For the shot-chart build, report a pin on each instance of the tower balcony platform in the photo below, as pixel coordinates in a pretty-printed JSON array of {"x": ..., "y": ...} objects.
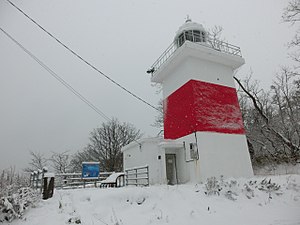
[{"x": 209, "y": 43}]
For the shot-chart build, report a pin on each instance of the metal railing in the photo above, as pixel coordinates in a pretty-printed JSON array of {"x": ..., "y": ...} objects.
[
  {"x": 75, "y": 180},
  {"x": 138, "y": 176},
  {"x": 209, "y": 42}
]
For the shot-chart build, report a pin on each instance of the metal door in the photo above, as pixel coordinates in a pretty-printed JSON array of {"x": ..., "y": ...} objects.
[{"x": 171, "y": 169}]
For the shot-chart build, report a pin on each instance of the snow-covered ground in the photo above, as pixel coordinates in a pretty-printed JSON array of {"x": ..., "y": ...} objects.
[{"x": 237, "y": 203}]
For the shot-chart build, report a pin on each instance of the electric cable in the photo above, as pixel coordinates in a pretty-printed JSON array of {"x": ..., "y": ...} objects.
[
  {"x": 57, "y": 77},
  {"x": 81, "y": 58},
  {"x": 61, "y": 80}
]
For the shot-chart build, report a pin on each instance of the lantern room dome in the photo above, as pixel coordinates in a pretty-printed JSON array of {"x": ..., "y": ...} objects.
[{"x": 190, "y": 31}]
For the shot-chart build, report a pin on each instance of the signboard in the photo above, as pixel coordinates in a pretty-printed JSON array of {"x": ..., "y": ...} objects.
[{"x": 90, "y": 170}]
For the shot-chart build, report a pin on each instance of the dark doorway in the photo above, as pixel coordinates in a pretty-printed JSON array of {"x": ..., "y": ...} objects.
[{"x": 171, "y": 169}]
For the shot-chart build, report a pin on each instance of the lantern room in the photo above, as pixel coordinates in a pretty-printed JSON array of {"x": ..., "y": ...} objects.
[{"x": 190, "y": 31}]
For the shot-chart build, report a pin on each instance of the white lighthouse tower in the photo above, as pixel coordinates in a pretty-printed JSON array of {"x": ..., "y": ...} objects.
[{"x": 204, "y": 134}]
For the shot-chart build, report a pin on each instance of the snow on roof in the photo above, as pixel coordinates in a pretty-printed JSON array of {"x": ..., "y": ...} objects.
[
  {"x": 165, "y": 143},
  {"x": 112, "y": 178},
  {"x": 189, "y": 25},
  {"x": 140, "y": 142},
  {"x": 171, "y": 144}
]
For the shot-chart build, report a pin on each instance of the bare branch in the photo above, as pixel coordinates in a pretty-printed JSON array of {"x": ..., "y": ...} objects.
[
  {"x": 266, "y": 119},
  {"x": 292, "y": 12}
]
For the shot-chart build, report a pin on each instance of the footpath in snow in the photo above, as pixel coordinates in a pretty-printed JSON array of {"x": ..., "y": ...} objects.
[{"x": 233, "y": 202}]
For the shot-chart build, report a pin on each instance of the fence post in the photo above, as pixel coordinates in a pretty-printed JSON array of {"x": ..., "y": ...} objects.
[
  {"x": 45, "y": 188},
  {"x": 34, "y": 181},
  {"x": 148, "y": 175},
  {"x": 136, "y": 176},
  {"x": 31, "y": 180},
  {"x": 51, "y": 187},
  {"x": 38, "y": 181},
  {"x": 48, "y": 188}
]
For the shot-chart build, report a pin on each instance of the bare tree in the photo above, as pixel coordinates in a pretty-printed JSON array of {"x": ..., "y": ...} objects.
[
  {"x": 61, "y": 162},
  {"x": 78, "y": 158},
  {"x": 159, "y": 119},
  {"x": 215, "y": 38},
  {"x": 291, "y": 15},
  {"x": 38, "y": 161},
  {"x": 272, "y": 118},
  {"x": 292, "y": 12},
  {"x": 105, "y": 145}
]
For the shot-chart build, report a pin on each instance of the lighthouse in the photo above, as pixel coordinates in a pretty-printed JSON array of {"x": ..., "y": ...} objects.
[{"x": 204, "y": 135}]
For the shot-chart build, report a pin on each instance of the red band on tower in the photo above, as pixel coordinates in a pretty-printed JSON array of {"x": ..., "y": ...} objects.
[{"x": 201, "y": 106}]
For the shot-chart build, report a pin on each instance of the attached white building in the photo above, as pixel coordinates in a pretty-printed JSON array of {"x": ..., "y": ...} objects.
[{"x": 204, "y": 134}]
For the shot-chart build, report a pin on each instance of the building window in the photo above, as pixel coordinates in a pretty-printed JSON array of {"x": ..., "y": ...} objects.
[
  {"x": 191, "y": 35},
  {"x": 180, "y": 40},
  {"x": 197, "y": 36}
]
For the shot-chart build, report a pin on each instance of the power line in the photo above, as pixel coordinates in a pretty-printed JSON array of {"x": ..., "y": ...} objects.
[
  {"x": 58, "y": 78},
  {"x": 61, "y": 80},
  {"x": 81, "y": 58}
]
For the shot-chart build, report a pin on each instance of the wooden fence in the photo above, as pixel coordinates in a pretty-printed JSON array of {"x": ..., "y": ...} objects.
[{"x": 36, "y": 179}]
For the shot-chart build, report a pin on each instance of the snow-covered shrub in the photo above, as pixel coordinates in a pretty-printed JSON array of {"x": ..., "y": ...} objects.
[
  {"x": 14, "y": 197},
  {"x": 212, "y": 186},
  {"x": 269, "y": 187},
  {"x": 231, "y": 189},
  {"x": 11, "y": 181},
  {"x": 292, "y": 184},
  {"x": 14, "y": 205},
  {"x": 227, "y": 188},
  {"x": 74, "y": 220},
  {"x": 248, "y": 191}
]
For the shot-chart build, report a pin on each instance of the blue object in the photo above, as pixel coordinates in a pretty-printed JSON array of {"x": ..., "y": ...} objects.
[{"x": 90, "y": 170}]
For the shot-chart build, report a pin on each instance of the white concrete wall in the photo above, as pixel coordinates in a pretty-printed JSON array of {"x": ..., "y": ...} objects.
[
  {"x": 192, "y": 166},
  {"x": 193, "y": 68},
  {"x": 219, "y": 154},
  {"x": 223, "y": 154},
  {"x": 134, "y": 156}
]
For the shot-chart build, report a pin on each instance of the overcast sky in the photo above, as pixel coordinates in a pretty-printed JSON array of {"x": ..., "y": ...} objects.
[{"x": 122, "y": 39}]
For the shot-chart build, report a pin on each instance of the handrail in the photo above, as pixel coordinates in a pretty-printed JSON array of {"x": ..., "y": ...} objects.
[
  {"x": 67, "y": 180},
  {"x": 140, "y": 176},
  {"x": 210, "y": 42}
]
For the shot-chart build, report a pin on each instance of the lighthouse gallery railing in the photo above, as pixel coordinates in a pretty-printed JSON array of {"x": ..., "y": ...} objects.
[{"x": 211, "y": 42}]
